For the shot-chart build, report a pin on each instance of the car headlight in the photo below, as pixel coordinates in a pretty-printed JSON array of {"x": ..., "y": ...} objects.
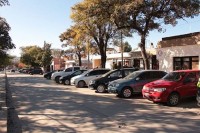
[
  {"x": 159, "y": 89},
  {"x": 116, "y": 85},
  {"x": 92, "y": 81}
]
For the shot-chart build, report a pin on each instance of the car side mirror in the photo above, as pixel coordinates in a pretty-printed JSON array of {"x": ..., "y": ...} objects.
[{"x": 108, "y": 76}]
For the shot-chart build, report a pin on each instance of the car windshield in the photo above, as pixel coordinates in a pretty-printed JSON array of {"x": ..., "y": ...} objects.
[
  {"x": 132, "y": 75},
  {"x": 174, "y": 76},
  {"x": 108, "y": 73}
]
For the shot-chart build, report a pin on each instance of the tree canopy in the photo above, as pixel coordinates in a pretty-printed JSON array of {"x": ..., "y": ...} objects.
[
  {"x": 98, "y": 28},
  {"x": 143, "y": 16},
  {"x": 4, "y": 2},
  {"x": 31, "y": 56}
]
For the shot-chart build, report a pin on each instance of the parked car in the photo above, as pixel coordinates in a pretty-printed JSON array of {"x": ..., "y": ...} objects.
[
  {"x": 48, "y": 74},
  {"x": 134, "y": 82},
  {"x": 198, "y": 97},
  {"x": 173, "y": 87},
  {"x": 36, "y": 71},
  {"x": 56, "y": 75},
  {"x": 100, "y": 84},
  {"x": 83, "y": 79},
  {"x": 66, "y": 79}
]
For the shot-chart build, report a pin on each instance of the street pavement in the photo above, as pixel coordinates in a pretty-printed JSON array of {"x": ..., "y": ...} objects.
[{"x": 46, "y": 107}]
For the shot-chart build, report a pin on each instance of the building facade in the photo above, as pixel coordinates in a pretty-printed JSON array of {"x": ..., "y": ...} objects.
[{"x": 179, "y": 52}]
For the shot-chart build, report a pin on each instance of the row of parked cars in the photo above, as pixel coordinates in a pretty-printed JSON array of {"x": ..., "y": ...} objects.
[{"x": 155, "y": 85}]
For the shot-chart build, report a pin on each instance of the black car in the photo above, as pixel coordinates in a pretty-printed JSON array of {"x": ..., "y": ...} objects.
[
  {"x": 66, "y": 79},
  {"x": 36, "y": 71},
  {"x": 48, "y": 74},
  {"x": 100, "y": 84}
]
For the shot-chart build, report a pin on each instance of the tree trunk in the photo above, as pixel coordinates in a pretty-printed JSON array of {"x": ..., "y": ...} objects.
[
  {"x": 143, "y": 52},
  {"x": 103, "y": 60},
  {"x": 79, "y": 60}
]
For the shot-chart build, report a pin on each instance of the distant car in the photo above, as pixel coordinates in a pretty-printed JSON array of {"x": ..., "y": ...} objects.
[
  {"x": 56, "y": 75},
  {"x": 36, "y": 71},
  {"x": 12, "y": 70},
  {"x": 66, "y": 79},
  {"x": 173, "y": 87},
  {"x": 100, "y": 84},
  {"x": 49, "y": 74},
  {"x": 83, "y": 79},
  {"x": 134, "y": 82}
]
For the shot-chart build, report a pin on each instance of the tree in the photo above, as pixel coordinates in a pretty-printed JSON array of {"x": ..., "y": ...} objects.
[
  {"x": 127, "y": 47},
  {"x": 143, "y": 16},
  {"x": 5, "y": 60},
  {"x": 31, "y": 56},
  {"x": 4, "y": 2},
  {"x": 5, "y": 39},
  {"x": 46, "y": 56},
  {"x": 101, "y": 30},
  {"x": 74, "y": 38}
]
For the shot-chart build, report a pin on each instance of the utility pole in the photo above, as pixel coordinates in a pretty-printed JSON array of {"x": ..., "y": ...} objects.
[
  {"x": 88, "y": 54},
  {"x": 122, "y": 51}
]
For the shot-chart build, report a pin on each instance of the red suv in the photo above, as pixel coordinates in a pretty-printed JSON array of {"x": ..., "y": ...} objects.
[{"x": 172, "y": 87}]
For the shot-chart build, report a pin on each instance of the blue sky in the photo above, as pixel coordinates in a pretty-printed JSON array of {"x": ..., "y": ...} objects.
[{"x": 34, "y": 21}]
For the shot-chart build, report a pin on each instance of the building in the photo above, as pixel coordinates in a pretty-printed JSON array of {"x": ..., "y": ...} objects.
[{"x": 179, "y": 52}]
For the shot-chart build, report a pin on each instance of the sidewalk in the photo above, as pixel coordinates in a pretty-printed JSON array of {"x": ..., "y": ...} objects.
[{"x": 3, "y": 112}]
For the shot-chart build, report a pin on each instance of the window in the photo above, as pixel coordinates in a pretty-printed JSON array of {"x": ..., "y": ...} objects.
[
  {"x": 68, "y": 69},
  {"x": 116, "y": 74},
  {"x": 191, "y": 77},
  {"x": 129, "y": 71},
  {"x": 76, "y": 68},
  {"x": 191, "y": 62}
]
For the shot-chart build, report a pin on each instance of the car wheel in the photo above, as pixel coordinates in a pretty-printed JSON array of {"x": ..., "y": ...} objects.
[
  {"x": 127, "y": 92},
  {"x": 81, "y": 84},
  {"x": 57, "y": 79},
  {"x": 48, "y": 77},
  {"x": 173, "y": 99},
  {"x": 101, "y": 88},
  {"x": 66, "y": 82}
]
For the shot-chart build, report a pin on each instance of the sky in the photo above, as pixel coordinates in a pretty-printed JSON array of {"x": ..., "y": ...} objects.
[{"x": 34, "y": 21}]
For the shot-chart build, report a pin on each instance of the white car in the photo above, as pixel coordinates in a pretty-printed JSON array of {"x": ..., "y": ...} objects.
[
  {"x": 83, "y": 79},
  {"x": 56, "y": 75}
]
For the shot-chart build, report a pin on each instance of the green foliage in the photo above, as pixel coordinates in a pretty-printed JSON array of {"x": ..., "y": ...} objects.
[
  {"x": 5, "y": 39},
  {"x": 46, "y": 56},
  {"x": 5, "y": 60},
  {"x": 31, "y": 56},
  {"x": 127, "y": 47}
]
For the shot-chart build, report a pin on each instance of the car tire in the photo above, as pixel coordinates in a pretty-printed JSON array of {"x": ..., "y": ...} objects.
[
  {"x": 81, "y": 84},
  {"x": 66, "y": 82},
  {"x": 48, "y": 77},
  {"x": 101, "y": 88},
  {"x": 126, "y": 92},
  {"x": 57, "y": 79},
  {"x": 173, "y": 99}
]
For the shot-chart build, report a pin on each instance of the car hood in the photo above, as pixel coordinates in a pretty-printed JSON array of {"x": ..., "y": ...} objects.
[
  {"x": 78, "y": 76},
  {"x": 120, "y": 81},
  {"x": 161, "y": 83}
]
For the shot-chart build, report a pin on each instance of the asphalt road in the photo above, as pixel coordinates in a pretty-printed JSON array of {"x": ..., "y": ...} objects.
[{"x": 46, "y": 107}]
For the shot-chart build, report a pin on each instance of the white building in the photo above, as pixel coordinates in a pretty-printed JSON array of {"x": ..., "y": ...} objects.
[{"x": 179, "y": 52}]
